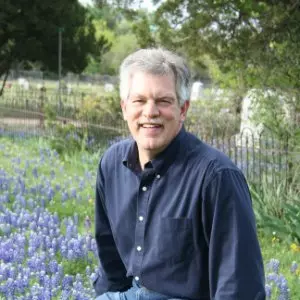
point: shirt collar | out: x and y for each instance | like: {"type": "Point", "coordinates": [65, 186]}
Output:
{"type": "Point", "coordinates": [162, 161]}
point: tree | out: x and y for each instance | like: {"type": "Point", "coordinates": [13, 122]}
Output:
{"type": "Point", "coordinates": [255, 40]}
{"type": "Point", "coordinates": [29, 32]}
{"type": "Point", "coordinates": [115, 25]}
{"type": "Point", "coordinates": [249, 44]}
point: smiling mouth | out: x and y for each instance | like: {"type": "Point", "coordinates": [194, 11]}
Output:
{"type": "Point", "coordinates": [150, 125]}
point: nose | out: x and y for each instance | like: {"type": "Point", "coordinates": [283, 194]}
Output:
{"type": "Point", "coordinates": [150, 109]}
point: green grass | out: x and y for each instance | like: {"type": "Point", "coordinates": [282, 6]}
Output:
{"type": "Point", "coordinates": [273, 248]}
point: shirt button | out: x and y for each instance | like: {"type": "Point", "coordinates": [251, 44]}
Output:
{"type": "Point", "coordinates": [141, 218]}
{"type": "Point", "coordinates": [144, 188]}
{"type": "Point", "coordinates": [157, 176]}
{"type": "Point", "coordinates": [137, 278]}
{"type": "Point", "coordinates": [139, 248]}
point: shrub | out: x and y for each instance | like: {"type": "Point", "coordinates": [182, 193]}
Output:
{"type": "Point", "coordinates": [277, 209]}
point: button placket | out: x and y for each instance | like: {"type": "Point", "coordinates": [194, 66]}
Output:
{"type": "Point", "coordinates": [144, 194]}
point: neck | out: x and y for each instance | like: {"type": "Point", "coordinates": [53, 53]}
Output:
{"type": "Point", "coordinates": [145, 156]}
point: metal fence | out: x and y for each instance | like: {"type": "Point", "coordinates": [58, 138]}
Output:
{"type": "Point", "coordinates": [261, 156]}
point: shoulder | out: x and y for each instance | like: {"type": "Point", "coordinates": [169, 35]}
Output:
{"type": "Point", "coordinates": [208, 158]}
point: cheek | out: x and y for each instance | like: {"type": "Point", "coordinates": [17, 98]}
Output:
{"type": "Point", "coordinates": [171, 115]}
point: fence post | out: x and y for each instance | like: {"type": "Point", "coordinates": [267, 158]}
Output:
{"type": "Point", "coordinates": [42, 99]}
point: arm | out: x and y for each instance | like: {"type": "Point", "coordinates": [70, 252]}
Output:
{"type": "Point", "coordinates": [235, 262]}
{"type": "Point", "coordinates": [112, 275]}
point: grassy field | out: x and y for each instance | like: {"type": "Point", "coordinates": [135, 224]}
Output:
{"type": "Point", "coordinates": [46, 227]}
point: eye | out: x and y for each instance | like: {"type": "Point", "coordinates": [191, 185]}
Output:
{"type": "Point", "coordinates": [137, 101]}
{"type": "Point", "coordinates": [164, 101]}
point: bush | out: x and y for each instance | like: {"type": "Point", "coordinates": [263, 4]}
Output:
{"type": "Point", "coordinates": [277, 209]}
{"type": "Point", "coordinates": [213, 118]}
{"type": "Point", "coordinates": [103, 117]}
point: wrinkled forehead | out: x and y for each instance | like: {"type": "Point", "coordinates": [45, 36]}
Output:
{"type": "Point", "coordinates": [155, 84]}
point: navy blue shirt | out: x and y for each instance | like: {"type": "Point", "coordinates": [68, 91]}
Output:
{"type": "Point", "coordinates": [183, 227]}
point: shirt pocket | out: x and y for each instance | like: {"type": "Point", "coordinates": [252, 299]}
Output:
{"type": "Point", "coordinates": [175, 244]}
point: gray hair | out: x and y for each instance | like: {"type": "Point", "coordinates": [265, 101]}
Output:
{"type": "Point", "coordinates": [156, 61]}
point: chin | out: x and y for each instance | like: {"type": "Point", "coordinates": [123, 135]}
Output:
{"type": "Point", "coordinates": [153, 147]}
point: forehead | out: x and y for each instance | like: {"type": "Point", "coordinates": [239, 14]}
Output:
{"type": "Point", "coordinates": [145, 83]}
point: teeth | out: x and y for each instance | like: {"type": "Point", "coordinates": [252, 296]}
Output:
{"type": "Point", "coordinates": [150, 126]}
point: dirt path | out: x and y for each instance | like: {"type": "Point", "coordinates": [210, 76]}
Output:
{"type": "Point", "coordinates": [18, 121]}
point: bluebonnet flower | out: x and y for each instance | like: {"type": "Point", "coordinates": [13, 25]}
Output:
{"type": "Point", "coordinates": [88, 271]}
{"type": "Point", "coordinates": [66, 294]}
{"type": "Point", "coordinates": [73, 193]}
{"type": "Point", "coordinates": [30, 203]}
{"type": "Point", "coordinates": [60, 271]}
{"type": "Point", "coordinates": [53, 266]}
{"type": "Point", "coordinates": [4, 198]}
{"type": "Point", "coordinates": [65, 196]}
{"type": "Point", "coordinates": [273, 265]}
{"type": "Point", "coordinates": [294, 267]}
{"type": "Point", "coordinates": [90, 141]}
{"type": "Point", "coordinates": [52, 174]}
{"type": "Point", "coordinates": [81, 184]}
{"type": "Point", "coordinates": [71, 254]}
{"type": "Point", "coordinates": [42, 202]}
{"type": "Point", "coordinates": [78, 248]}
{"type": "Point", "coordinates": [67, 282]}
{"type": "Point", "coordinates": [35, 172]}
{"type": "Point", "coordinates": [76, 219]}
{"type": "Point", "coordinates": [50, 193]}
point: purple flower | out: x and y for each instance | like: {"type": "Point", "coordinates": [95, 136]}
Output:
{"type": "Point", "coordinates": [67, 282]}
{"type": "Point", "coordinates": [65, 196]}
{"type": "Point", "coordinates": [87, 223]}
{"type": "Point", "coordinates": [35, 172]}
{"type": "Point", "coordinates": [294, 267]}
{"type": "Point", "coordinates": [273, 265]}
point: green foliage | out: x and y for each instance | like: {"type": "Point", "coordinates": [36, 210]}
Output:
{"type": "Point", "coordinates": [31, 35]}
{"type": "Point", "coordinates": [67, 139]}
{"type": "Point", "coordinates": [103, 116]}
{"type": "Point", "coordinates": [276, 111]}
{"type": "Point", "coordinates": [112, 22]}
{"type": "Point", "coordinates": [75, 266]}
{"type": "Point", "coordinates": [143, 32]}
{"type": "Point", "coordinates": [100, 109]}
{"type": "Point", "coordinates": [277, 209]}
{"type": "Point", "coordinates": [279, 113]}
{"type": "Point", "coordinates": [212, 118]}
{"type": "Point", "coordinates": [273, 248]}
{"type": "Point", "coordinates": [243, 44]}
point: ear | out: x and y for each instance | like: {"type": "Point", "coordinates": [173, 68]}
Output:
{"type": "Point", "coordinates": [183, 110]}
{"type": "Point", "coordinates": [123, 107]}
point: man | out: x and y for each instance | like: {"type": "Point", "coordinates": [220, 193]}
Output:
{"type": "Point", "coordinates": [173, 215]}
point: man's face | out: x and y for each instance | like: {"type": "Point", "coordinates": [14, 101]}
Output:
{"type": "Point", "coordinates": [152, 112]}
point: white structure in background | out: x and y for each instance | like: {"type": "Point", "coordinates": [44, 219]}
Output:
{"type": "Point", "coordinates": [250, 131]}
{"type": "Point", "coordinates": [23, 83]}
{"type": "Point", "coordinates": [39, 86]}
{"type": "Point", "coordinates": [69, 88]}
{"type": "Point", "coordinates": [108, 87]}
{"type": "Point", "coordinates": [197, 91]}
{"type": "Point", "coordinates": [248, 127]}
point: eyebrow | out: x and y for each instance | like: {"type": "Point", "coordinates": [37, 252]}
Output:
{"type": "Point", "coordinates": [159, 96]}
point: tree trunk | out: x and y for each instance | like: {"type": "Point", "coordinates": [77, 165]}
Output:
{"type": "Point", "coordinates": [4, 81]}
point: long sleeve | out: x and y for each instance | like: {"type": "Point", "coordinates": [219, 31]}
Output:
{"type": "Point", "coordinates": [112, 275]}
{"type": "Point", "coordinates": [235, 261]}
